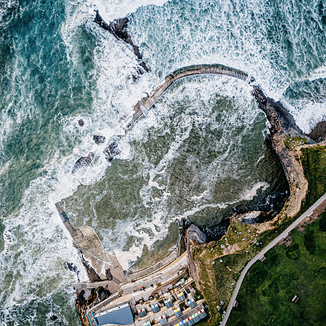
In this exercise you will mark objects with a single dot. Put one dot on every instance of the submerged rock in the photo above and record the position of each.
(98, 139)
(53, 317)
(111, 151)
(83, 162)
(194, 233)
(81, 122)
(119, 29)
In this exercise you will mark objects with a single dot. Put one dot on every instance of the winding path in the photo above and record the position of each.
(320, 202)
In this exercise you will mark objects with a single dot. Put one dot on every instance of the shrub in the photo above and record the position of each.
(293, 252)
(256, 277)
(309, 241)
(322, 222)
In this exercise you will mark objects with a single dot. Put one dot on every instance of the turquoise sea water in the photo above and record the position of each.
(199, 154)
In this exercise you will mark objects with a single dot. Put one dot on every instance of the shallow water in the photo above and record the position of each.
(198, 155)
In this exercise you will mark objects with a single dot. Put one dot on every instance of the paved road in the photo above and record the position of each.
(318, 203)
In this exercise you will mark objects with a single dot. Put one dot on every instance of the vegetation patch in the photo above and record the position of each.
(285, 272)
(219, 269)
(322, 222)
(265, 297)
(293, 142)
(314, 166)
(293, 252)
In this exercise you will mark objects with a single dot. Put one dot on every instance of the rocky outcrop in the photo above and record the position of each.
(83, 162)
(99, 139)
(194, 233)
(282, 126)
(318, 133)
(280, 119)
(111, 151)
(72, 268)
(85, 301)
(92, 275)
(119, 29)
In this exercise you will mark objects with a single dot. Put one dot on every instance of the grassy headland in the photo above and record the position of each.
(265, 297)
(220, 262)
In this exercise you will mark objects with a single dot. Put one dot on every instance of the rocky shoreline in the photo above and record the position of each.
(283, 133)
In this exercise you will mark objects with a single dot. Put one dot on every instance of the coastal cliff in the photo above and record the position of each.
(283, 128)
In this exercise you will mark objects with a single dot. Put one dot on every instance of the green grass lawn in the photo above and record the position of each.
(271, 285)
(314, 166)
(265, 297)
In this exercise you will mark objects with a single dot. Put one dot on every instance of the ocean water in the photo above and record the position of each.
(200, 154)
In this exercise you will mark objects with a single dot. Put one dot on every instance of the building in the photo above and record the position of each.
(192, 303)
(119, 315)
(168, 303)
(177, 312)
(181, 296)
(163, 320)
(142, 312)
(155, 308)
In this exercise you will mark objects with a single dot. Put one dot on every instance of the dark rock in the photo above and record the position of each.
(81, 122)
(102, 293)
(318, 133)
(119, 29)
(194, 233)
(92, 275)
(216, 232)
(278, 116)
(53, 317)
(83, 162)
(72, 268)
(99, 139)
(111, 151)
(108, 274)
(83, 305)
(182, 247)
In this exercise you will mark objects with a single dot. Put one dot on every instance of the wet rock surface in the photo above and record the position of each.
(84, 301)
(279, 118)
(318, 133)
(83, 162)
(111, 151)
(92, 275)
(119, 29)
(99, 139)
(195, 234)
(72, 268)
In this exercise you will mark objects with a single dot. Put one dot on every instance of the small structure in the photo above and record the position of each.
(196, 317)
(142, 313)
(168, 303)
(192, 303)
(181, 296)
(163, 320)
(295, 299)
(155, 308)
(120, 315)
(177, 312)
(202, 314)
